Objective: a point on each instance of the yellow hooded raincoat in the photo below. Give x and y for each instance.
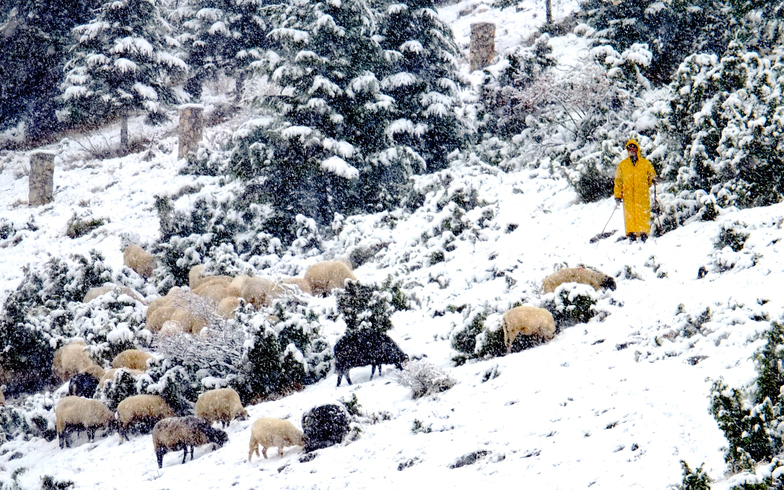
(632, 184)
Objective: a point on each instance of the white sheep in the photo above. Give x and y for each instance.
(269, 432)
(256, 291)
(175, 433)
(214, 292)
(531, 321)
(579, 275)
(222, 405)
(227, 306)
(94, 293)
(323, 277)
(299, 282)
(69, 360)
(75, 412)
(141, 408)
(170, 328)
(139, 260)
(132, 359)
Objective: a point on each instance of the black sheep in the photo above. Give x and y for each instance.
(83, 384)
(366, 347)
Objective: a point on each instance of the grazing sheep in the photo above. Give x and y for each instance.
(177, 433)
(75, 412)
(580, 275)
(69, 360)
(269, 432)
(536, 323)
(324, 426)
(227, 306)
(256, 291)
(139, 260)
(159, 316)
(94, 293)
(174, 293)
(96, 371)
(206, 281)
(170, 328)
(132, 359)
(110, 374)
(323, 277)
(300, 282)
(365, 347)
(214, 292)
(235, 286)
(147, 409)
(83, 384)
(190, 321)
(221, 405)
(195, 276)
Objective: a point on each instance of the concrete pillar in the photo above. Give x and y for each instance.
(41, 179)
(482, 44)
(191, 126)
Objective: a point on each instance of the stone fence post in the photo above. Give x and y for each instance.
(482, 44)
(191, 126)
(41, 179)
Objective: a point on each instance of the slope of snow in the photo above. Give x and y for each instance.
(614, 403)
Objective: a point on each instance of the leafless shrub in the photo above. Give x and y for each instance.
(424, 378)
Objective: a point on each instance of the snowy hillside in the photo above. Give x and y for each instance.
(614, 403)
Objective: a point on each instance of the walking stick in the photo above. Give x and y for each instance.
(599, 236)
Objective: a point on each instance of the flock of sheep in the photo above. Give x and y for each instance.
(188, 311)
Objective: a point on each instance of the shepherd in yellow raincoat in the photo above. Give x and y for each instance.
(633, 179)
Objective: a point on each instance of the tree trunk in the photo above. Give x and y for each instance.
(124, 135)
(549, 10)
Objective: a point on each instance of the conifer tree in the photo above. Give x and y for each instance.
(122, 64)
(220, 36)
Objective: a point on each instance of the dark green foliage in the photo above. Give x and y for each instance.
(50, 483)
(121, 64)
(36, 39)
(179, 389)
(492, 345)
(365, 308)
(593, 184)
(770, 365)
(464, 339)
(570, 307)
(121, 387)
(400, 300)
(671, 30)
(78, 227)
(37, 312)
(732, 236)
(265, 367)
(694, 480)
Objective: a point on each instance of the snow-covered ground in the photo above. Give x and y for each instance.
(614, 403)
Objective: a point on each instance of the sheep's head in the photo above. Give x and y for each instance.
(609, 283)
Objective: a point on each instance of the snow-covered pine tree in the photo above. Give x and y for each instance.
(36, 37)
(424, 79)
(330, 140)
(726, 116)
(220, 36)
(672, 30)
(122, 64)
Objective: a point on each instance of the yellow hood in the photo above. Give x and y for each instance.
(634, 141)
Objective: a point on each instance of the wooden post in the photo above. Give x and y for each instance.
(549, 11)
(191, 126)
(482, 44)
(41, 179)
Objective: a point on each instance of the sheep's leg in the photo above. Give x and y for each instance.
(159, 454)
(373, 370)
(192, 447)
(253, 445)
(280, 451)
(264, 451)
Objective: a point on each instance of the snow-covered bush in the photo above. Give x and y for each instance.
(365, 307)
(694, 480)
(751, 417)
(38, 316)
(571, 304)
(424, 378)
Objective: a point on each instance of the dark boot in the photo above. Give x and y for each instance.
(643, 237)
